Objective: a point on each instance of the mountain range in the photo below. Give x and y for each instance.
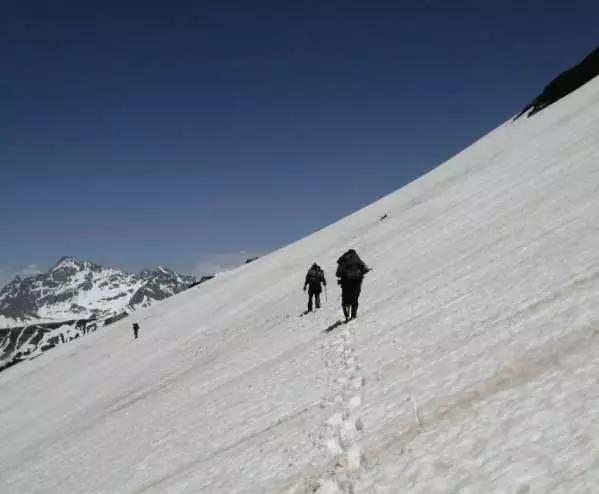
(73, 289)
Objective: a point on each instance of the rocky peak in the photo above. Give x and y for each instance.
(72, 264)
(159, 272)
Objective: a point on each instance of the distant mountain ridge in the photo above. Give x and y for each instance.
(74, 289)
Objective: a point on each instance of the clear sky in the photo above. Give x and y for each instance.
(181, 133)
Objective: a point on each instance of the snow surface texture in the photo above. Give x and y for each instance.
(472, 366)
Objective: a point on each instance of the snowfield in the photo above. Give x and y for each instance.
(472, 367)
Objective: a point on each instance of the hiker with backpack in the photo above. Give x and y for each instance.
(135, 330)
(314, 279)
(350, 271)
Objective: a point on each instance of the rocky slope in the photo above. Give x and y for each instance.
(565, 83)
(28, 342)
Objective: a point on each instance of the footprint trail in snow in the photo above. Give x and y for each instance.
(341, 438)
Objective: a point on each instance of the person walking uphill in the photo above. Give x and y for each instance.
(314, 279)
(350, 271)
(135, 330)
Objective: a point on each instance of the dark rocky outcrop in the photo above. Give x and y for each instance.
(203, 279)
(28, 342)
(117, 317)
(565, 83)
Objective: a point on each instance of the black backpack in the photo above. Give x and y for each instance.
(315, 275)
(352, 272)
(350, 266)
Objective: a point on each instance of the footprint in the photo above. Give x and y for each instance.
(344, 427)
(355, 401)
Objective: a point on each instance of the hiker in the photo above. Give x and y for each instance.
(135, 329)
(350, 271)
(314, 280)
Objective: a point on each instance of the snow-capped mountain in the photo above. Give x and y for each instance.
(158, 284)
(74, 289)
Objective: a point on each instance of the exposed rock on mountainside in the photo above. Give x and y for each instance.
(160, 283)
(28, 342)
(565, 83)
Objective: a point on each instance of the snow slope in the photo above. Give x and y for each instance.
(472, 366)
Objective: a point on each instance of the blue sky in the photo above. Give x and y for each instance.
(183, 133)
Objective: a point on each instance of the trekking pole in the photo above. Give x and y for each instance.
(326, 296)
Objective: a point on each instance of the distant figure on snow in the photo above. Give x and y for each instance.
(135, 329)
(350, 271)
(314, 279)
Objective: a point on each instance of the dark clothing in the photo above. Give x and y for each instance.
(135, 329)
(316, 296)
(350, 267)
(350, 293)
(314, 281)
(350, 271)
